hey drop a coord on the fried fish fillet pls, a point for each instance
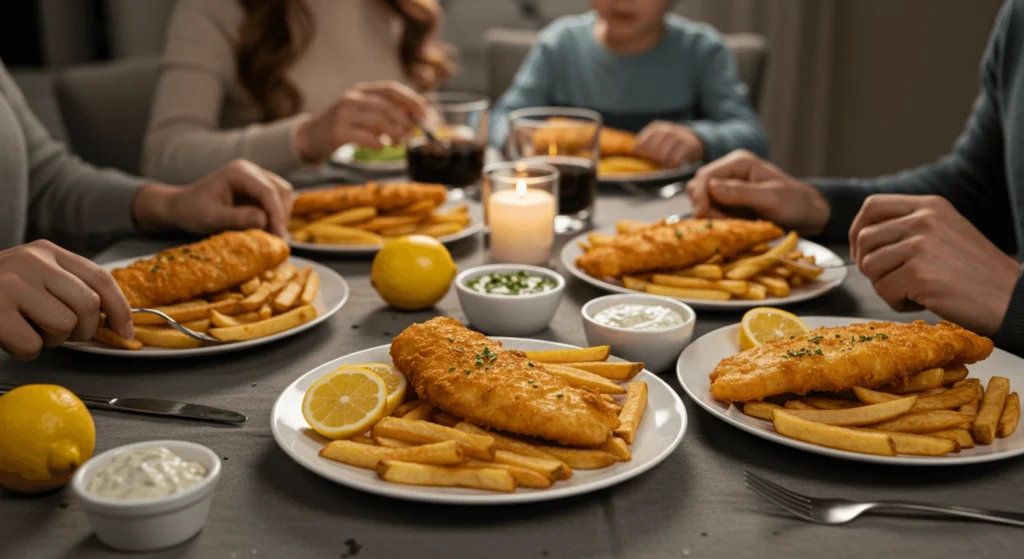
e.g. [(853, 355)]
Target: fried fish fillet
[(468, 375), (666, 246), (834, 359), (381, 196), (211, 265)]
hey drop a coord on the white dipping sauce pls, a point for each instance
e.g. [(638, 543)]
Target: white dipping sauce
[(146, 473), (639, 317)]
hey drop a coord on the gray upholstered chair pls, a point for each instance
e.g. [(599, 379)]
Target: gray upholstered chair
[(506, 48), (105, 108)]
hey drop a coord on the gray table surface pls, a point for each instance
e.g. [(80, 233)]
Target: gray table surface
[(692, 505)]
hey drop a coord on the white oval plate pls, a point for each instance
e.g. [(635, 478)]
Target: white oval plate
[(701, 357), (656, 175), (660, 432), (332, 296), (830, 279), (344, 156)]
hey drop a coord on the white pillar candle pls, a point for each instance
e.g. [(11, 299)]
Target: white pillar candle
[(522, 224)]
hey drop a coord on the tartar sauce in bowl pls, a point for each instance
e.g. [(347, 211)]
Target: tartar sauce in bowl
[(145, 473), (639, 317)]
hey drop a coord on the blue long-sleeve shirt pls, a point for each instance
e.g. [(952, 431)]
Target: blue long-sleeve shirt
[(983, 177), (689, 77)]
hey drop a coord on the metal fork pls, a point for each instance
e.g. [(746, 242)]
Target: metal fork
[(179, 327), (841, 511), (664, 192)]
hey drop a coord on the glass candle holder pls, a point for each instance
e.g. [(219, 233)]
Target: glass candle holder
[(520, 204)]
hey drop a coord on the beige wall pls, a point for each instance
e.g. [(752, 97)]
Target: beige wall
[(904, 76)]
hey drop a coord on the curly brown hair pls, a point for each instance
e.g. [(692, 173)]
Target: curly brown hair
[(275, 33)]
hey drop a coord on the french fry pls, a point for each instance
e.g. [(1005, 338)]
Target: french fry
[(446, 419), (841, 438), (782, 272), (716, 259), (619, 370), (797, 405), (287, 297), (755, 292), (296, 223), (424, 412), (635, 283), (734, 287), (759, 248), (460, 218), (924, 422), (346, 236), (552, 468), (224, 296), (632, 411), (248, 287), (579, 378), (925, 380), (515, 446), (1011, 416), (310, 288), (302, 237), (760, 410), (747, 268), (617, 447), (265, 312), (407, 407), (802, 270), (582, 459), (951, 375), (991, 410), (269, 275), (822, 403), (491, 479), (195, 311), (921, 445), (257, 298), (366, 456), (420, 209), (201, 325), (688, 293), (350, 216), (775, 286), (598, 239), (629, 226), (380, 224), (523, 477), (961, 436), (169, 338), (399, 230), (931, 392), (422, 432), (946, 400), (796, 281), (705, 271), (107, 336), (437, 230), (362, 440), (585, 354), (268, 327), (794, 255), (862, 415), (391, 443)]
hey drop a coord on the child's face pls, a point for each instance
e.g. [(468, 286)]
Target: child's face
[(629, 19)]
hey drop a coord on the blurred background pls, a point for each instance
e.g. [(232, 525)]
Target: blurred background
[(850, 87)]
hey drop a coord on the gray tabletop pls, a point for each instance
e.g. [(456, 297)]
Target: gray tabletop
[(692, 505)]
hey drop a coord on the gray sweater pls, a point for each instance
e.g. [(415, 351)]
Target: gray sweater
[(45, 192), (983, 177)]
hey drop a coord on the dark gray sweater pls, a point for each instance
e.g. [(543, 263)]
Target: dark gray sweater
[(983, 177)]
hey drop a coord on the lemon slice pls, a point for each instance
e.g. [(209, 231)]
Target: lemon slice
[(345, 402), (765, 324), (393, 379)]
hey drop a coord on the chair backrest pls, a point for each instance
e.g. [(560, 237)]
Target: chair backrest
[(105, 108), (506, 48)]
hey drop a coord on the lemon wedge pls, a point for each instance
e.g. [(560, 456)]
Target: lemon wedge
[(345, 402), (765, 324), (393, 379)]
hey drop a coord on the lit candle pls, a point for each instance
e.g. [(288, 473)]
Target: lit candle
[(522, 224)]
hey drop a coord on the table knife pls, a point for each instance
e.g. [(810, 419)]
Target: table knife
[(153, 406)]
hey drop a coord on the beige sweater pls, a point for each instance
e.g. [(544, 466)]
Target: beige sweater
[(203, 118)]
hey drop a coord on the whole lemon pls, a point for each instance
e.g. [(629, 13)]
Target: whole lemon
[(413, 273), (45, 435)]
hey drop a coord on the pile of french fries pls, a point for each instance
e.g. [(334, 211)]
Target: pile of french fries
[(761, 272), (421, 445), (934, 413), (274, 302), (367, 226)]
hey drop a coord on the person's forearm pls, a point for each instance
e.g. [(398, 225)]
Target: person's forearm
[(151, 208), (721, 137)]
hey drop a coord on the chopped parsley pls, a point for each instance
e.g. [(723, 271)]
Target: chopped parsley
[(709, 224), (818, 351), (530, 381), (838, 336), (511, 283), (467, 371), (530, 363), (559, 394), (450, 369), (817, 339), (679, 234), (451, 340), (882, 336), (154, 269)]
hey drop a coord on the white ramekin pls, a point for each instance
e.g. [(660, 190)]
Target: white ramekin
[(509, 315), (658, 349)]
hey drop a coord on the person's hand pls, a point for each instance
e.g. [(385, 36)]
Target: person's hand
[(920, 249), (742, 182), (49, 296), (240, 195), (361, 116), (669, 144)]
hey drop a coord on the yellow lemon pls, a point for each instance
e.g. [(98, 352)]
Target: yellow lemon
[(765, 324), (393, 379), (412, 273), (45, 435), (345, 403)]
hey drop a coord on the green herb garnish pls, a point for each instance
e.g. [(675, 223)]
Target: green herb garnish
[(512, 283), (450, 369), (679, 234)]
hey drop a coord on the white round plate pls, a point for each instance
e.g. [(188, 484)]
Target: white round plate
[(830, 279), (660, 433), (649, 176), (332, 296), (701, 357), (475, 226), (344, 156)]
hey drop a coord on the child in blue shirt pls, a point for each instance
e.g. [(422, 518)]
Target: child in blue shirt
[(671, 80)]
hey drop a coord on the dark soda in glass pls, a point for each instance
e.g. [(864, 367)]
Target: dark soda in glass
[(456, 162)]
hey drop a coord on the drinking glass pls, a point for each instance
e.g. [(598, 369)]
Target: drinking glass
[(457, 161)]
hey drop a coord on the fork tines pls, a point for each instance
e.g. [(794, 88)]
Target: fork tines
[(778, 495)]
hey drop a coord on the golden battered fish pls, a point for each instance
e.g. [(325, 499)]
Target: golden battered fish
[(468, 375), (211, 265), (663, 246), (617, 142), (834, 359), (384, 197)]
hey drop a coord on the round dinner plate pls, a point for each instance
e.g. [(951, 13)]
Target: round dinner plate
[(830, 279), (650, 176), (345, 157), (660, 432), (332, 296), (701, 357)]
